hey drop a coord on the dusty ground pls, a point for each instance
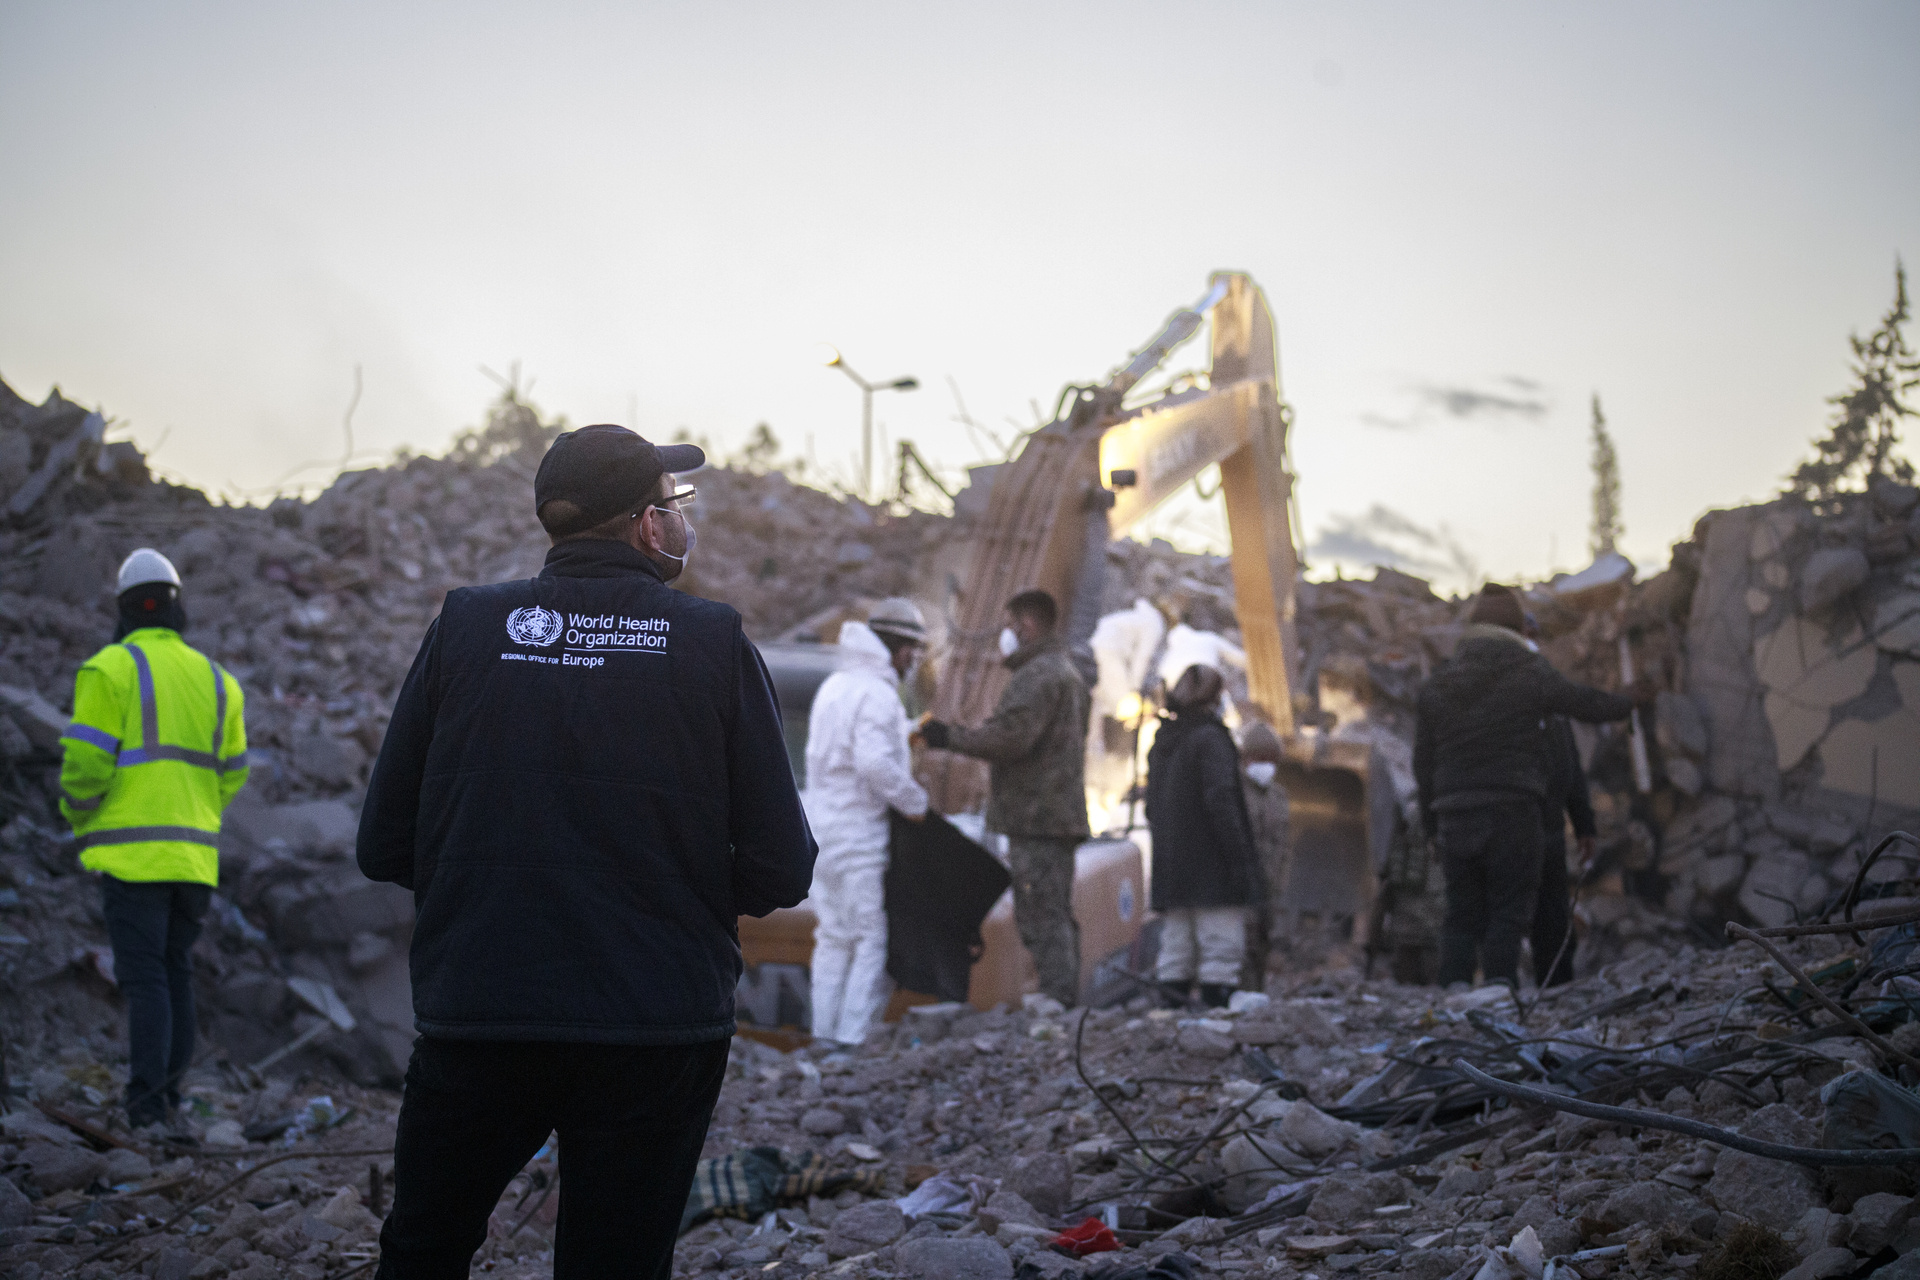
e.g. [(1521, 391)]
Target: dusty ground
[(999, 1104)]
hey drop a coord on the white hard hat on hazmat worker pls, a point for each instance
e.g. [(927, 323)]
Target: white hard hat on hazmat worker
[(899, 618)]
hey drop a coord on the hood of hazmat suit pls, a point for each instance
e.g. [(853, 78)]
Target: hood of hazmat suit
[(1187, 646), (858, 765)]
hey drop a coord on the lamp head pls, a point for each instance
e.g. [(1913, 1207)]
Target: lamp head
[(827, 354), (904, 384)]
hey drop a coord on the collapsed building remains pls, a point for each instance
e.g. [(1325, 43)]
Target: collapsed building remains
[(1787, 742)]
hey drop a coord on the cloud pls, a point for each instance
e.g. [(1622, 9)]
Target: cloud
[(1382, 536), (1517, 398)]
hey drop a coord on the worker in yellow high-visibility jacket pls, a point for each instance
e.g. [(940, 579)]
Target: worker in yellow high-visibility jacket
[(156, 750)]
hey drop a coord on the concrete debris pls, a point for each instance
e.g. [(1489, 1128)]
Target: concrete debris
[(1785, 639)]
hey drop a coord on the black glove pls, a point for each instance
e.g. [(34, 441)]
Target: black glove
[(937, 734)]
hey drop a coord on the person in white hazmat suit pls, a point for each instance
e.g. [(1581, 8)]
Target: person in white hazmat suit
[(1123, 645), (858, 768), (1188, 646)]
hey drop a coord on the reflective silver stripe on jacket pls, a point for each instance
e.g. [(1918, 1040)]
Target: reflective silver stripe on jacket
[(142, 835), (151, 749)]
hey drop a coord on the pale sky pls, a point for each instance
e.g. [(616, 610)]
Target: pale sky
[(1468, 217)]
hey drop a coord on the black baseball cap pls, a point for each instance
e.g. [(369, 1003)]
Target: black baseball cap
[(591, 475)]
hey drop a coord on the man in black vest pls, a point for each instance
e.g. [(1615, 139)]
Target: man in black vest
[(1480, 759), (584, 784)]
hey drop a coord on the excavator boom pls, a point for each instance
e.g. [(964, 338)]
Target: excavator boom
[(1100, 468)]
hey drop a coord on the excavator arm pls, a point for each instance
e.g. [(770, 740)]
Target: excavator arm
[(1098, 469)]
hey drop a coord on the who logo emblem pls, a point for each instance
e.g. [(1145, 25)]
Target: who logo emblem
[(534, 625)]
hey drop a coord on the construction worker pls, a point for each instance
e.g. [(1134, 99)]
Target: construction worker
[(1480, 760), (1206, 873), (1270, 813), (156, 751), (1035, 747), (858, 767), (585, 785)]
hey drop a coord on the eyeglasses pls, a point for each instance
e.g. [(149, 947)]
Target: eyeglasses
[(681, 495)]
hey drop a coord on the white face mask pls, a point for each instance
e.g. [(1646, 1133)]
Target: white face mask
[(1262, 771), (693, 540), (1009, 642)]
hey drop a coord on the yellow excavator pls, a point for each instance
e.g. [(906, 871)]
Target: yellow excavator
[(1106, 461)]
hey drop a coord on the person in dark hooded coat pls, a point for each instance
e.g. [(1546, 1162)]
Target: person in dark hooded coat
[(1205, 869)]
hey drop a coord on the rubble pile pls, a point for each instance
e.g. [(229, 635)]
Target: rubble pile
[(1782, 749), (1320, 1129), (317, 607)]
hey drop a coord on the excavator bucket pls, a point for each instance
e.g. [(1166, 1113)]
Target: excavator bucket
[(1328, 898)]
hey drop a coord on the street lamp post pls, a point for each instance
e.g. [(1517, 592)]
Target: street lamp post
[(830, 356)]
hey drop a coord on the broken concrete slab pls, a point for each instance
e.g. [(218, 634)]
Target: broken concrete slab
[(1830, 575), (37, 718)]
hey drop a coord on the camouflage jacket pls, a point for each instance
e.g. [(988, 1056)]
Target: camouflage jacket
[(1035, 747), (1269, 812)]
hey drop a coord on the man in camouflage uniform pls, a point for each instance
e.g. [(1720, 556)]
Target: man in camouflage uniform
[(1035, 747)]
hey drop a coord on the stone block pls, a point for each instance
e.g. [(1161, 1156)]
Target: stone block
[(1806, 676), (175, 1264), (1856, 756), (1830, 575), (1204, 1042), (1878, 1220), (1892, 499), (864, 1228), (1682, 726), (1007, 1206), (1720, 875), (126, 1166), (1312, 1132), (947, 1258), (1772, 886), (1650, 1204), (330, 761), (37, 718), (330, 910), (1044, 1180), (1812, 831), (823, 1122), (1720, 669), (1456, 1183), (57, 1169), (1824, 1263), (1766, 1190), (15, 1209), (1347, 1197)]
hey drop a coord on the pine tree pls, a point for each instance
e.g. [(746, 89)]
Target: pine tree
[(1606, 486), (1865, 431)]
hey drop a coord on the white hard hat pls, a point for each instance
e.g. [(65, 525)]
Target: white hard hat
[(146, 566), (899, 617)]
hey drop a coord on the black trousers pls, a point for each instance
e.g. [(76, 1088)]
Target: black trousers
[(152, 926), (1492, 855), (1551, 915), (631, 1120)]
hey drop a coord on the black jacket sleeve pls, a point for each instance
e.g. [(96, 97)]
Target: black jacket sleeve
[(1225, 804), (1557, 694), (773, 848), (1579, 798), (388, 819)]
